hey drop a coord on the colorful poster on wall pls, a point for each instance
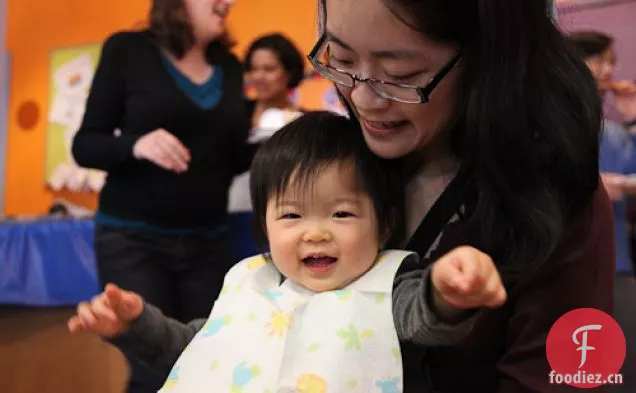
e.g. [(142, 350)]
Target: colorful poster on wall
[(71, 74)]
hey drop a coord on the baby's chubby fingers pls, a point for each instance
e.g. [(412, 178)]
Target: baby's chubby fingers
[(102, 310), (75, 325), (125, 304), (495, 294), (487, 289), (85, 314), (465, 265), (468, 278)]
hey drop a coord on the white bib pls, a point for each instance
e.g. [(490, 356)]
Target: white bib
[(266, 337)]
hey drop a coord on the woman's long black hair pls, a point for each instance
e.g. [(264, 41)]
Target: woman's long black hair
[(528, 120)]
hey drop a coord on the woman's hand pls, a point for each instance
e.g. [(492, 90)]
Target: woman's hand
[(615, 185), (109, 314), (163, 149)]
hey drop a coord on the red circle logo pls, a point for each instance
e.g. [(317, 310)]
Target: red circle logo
[(585, 349)]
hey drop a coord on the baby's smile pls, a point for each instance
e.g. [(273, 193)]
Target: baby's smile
[(319, 262)]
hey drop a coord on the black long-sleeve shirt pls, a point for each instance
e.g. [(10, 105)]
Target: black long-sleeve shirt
[(133, 91)]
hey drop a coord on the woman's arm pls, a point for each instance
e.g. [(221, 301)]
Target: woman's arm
[(95, 145)]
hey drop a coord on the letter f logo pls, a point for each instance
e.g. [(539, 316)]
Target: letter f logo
[(584, 347)]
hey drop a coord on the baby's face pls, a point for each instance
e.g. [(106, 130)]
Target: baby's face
[(324, 236)]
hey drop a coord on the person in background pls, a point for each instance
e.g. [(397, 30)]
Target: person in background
[(175, 93), (617, 157), (617, 164), (274, 67)]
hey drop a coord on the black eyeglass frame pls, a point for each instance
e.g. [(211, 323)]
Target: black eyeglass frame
[(423, 92)]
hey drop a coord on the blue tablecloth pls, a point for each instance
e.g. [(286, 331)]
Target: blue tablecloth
[(48, 263)]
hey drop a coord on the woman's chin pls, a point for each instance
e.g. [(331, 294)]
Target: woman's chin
[(389, 148)]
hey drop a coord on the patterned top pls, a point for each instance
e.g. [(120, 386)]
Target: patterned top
[(270, 334)]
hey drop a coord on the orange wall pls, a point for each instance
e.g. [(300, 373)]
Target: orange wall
[(36, 27)]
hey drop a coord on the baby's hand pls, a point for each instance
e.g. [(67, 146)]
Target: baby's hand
[(467, 278), (108, 314)]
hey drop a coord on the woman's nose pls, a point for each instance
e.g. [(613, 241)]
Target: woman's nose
[(365, 99)]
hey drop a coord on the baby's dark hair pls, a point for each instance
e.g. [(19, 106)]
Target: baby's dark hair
[(311, 143)]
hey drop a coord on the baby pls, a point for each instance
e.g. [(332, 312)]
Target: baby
[(323, 310)]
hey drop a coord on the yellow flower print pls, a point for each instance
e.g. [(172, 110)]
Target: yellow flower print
[(280, 322)]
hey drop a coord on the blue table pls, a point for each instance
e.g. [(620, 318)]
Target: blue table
[(50, 263), (47, 262)]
